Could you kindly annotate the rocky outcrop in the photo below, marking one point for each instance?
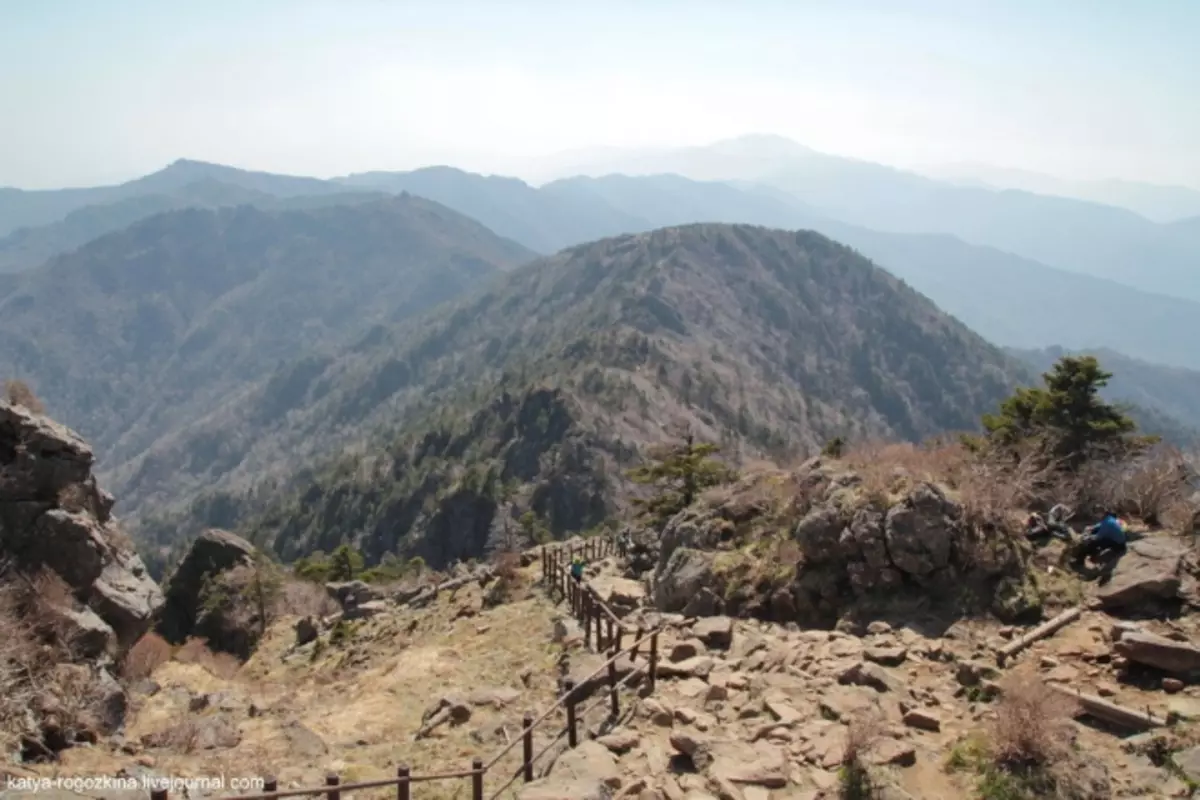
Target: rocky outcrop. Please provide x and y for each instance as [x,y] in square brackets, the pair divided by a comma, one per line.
[191,608]
[848,544]
[54,517]
[74,589]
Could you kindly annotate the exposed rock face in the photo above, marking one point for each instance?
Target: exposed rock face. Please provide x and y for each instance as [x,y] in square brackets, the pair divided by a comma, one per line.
[214,553]
[1149,571]
[55,521]
[849,544]
[53,516]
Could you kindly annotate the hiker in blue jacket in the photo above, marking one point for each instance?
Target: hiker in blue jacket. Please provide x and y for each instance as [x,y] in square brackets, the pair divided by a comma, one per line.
[1106,536]
[577,569]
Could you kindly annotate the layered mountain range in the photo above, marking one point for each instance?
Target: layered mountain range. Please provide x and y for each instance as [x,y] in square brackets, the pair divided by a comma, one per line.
[408,359]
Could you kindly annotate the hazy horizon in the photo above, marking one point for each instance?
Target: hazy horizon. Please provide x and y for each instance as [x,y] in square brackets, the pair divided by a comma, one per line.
[1076,90]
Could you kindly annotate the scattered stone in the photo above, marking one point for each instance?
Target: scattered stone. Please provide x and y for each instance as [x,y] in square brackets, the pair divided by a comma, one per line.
[1172,685]
[892,751]
[306,631]
[715,632]
[684,650]
[922,720]
[892,656]
[1159,652]
[867,674]
[620,741]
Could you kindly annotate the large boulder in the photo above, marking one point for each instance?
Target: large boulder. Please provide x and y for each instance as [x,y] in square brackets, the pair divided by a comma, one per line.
[622,595]
[587,772]
[1151,570]
[214,554]
[686,574]
[1159,652]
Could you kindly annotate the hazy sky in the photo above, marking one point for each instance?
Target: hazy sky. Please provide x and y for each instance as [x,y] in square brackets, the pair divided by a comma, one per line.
[98,91]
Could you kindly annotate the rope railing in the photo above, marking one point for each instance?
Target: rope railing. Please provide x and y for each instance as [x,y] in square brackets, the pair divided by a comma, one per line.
[555,575]
[599,622]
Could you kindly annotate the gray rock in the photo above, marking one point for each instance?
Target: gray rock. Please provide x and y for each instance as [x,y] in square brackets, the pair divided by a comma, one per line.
[366,610]
[214,552]
[1159,652]
[306,631]
[53,516]
[87,636]
[920,531]
[588,772]
[685,573]
[715,632]
[349,594]
[819,533]
[127,598]
[1151,569]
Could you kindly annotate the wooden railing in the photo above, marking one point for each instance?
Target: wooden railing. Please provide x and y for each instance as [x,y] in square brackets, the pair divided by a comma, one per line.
[556,577]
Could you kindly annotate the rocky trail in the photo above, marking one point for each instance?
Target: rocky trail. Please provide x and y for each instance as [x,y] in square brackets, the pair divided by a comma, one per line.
[758,711]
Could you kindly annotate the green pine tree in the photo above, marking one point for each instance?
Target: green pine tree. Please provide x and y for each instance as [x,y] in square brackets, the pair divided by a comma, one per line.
[1066,417]
[680,473]
[345,563]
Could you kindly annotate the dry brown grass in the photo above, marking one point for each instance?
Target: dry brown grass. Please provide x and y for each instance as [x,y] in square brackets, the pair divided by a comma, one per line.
[147,654]
[20,665]
[889,468]
[506,566]
[196,651]
[1154,488]
[1032,727]
[18,393]
[862,733]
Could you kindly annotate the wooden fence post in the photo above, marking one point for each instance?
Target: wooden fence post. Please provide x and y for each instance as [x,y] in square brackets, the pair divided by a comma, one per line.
[332,794]
[572,733]
[620,635]
[612,640]
[587,620]
[403,788]
[612,683]
[270,785]
[650,668]
[637,642]
[158,794]
[527,745]
[477,779]
[599,617]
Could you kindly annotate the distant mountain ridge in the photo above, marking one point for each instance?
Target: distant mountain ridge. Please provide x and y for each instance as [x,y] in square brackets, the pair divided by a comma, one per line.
[1026,304]
[140,332]
[26,248]
[1159,203]
[1076,235]
[765,340]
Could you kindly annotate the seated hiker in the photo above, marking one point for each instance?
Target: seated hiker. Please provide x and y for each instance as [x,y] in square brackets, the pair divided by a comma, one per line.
[1056,522]
[1106,536]
[1055,525]
[577,569]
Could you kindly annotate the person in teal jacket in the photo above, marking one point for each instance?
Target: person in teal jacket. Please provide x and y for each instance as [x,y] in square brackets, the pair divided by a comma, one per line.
[577,569]
[1106,536]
